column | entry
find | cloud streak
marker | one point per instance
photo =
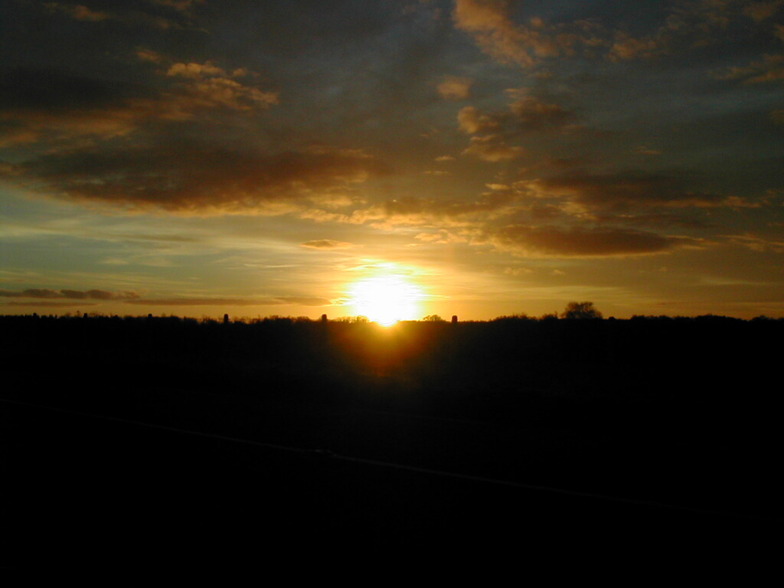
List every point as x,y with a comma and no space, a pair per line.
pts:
49,294
326,244
187,177
232,301
491,25
580,241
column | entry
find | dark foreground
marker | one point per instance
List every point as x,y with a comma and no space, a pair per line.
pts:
131,443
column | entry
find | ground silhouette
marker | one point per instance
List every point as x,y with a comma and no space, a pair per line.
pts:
431,431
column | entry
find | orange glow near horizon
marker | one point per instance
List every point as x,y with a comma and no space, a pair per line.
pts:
386,299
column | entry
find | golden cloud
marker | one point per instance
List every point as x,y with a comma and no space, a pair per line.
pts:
326,244
40,105
47,293
186,177
489,23
231,301
455,88
579,242
626,190
77,12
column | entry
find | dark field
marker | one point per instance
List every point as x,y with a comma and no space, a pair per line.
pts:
163,440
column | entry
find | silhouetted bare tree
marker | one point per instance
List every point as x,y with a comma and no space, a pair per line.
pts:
581,310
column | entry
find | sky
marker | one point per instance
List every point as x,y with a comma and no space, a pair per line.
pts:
477,158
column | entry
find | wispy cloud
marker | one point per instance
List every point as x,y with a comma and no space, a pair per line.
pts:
768,69
232,301
580,241
455,88
188,177
491,24
77,11
49,294
327,244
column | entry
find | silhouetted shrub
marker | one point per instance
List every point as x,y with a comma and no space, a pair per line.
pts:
581,310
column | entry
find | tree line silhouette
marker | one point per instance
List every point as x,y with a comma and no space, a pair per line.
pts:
496,364
681,409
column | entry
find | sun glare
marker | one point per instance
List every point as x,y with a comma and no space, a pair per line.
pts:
386,299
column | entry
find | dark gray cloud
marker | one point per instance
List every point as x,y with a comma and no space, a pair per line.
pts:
44,106
231,301
48,304
199,178
531,33
629,190
496,134
34,89
47,293
326,244
580,241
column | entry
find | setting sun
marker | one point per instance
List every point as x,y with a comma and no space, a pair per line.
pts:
386,299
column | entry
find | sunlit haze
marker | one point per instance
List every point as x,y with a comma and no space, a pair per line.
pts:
386,299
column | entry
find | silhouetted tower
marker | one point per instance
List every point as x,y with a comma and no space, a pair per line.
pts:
226,319
454,319
324,318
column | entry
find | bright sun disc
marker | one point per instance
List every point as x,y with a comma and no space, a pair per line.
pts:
386,299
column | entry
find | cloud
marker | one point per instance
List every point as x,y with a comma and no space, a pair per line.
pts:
181,5
48,304
530,113
77,12
472,121
627,190
760,11
625,47
467,214
455,88
758,243
303,300
194,70
493,148
182,176
93,113
205,85
219,92
495,132
42,89
645,150
145,54
490,24
578,241
768,69
680,26
656,219
326,244
47,293
40,104
694,24
157,14
232,301
525,114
